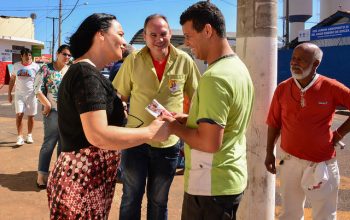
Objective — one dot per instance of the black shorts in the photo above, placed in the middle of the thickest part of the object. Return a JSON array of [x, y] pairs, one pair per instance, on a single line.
[[210, 207]]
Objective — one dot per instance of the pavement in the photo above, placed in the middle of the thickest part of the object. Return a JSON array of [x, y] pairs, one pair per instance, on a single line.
[[20, 199]]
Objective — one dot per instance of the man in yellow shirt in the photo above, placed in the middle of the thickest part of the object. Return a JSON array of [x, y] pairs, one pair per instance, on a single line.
[[162, 72]]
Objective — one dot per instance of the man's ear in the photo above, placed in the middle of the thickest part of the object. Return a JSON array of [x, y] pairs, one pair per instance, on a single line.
[[316, 64], [208, 30], [144, 35], [170, 33]]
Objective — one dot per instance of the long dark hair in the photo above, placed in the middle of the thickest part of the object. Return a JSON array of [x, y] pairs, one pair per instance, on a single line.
[[81, 41]]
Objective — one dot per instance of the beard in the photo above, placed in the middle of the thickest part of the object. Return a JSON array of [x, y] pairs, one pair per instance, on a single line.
[[304, 73]]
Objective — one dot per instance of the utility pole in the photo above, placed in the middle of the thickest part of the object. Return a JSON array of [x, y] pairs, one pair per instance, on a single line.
[[257, 47], [60, 20], [53, 36], [50, 48], [59, 23], [287, 23]]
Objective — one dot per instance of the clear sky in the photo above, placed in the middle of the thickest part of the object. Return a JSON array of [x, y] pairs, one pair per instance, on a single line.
[[130, 13]]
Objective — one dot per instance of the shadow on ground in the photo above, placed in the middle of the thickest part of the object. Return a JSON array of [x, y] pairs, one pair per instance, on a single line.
[[23, 181], [8, 144]]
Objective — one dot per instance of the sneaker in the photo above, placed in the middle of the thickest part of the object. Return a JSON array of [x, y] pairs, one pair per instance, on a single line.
[[20, 141], [29, 139]]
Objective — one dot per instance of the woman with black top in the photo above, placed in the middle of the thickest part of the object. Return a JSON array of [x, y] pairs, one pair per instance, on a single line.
[[81, 185]]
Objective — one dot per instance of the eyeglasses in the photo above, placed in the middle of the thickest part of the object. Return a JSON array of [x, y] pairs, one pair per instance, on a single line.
[[140, 121], [66, 54]]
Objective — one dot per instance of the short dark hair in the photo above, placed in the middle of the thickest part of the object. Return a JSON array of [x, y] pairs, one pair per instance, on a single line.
[[128, 50], [152, 17], [81, 41], [202, 13], [25, 51], [63, 47]]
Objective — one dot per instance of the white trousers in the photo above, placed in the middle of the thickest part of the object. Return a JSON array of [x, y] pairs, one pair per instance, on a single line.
[[324, 206]]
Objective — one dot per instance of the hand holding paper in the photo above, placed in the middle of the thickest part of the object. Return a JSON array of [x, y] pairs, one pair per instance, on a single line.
[[156, 109]]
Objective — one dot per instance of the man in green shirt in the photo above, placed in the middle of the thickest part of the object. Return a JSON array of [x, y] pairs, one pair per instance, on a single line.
[[215, 150], [162, 72]]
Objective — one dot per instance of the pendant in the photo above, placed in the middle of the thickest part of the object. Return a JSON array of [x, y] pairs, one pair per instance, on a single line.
[[302, 100]]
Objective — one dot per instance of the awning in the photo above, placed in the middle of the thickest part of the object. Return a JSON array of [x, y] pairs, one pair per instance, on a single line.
[[25, 40]]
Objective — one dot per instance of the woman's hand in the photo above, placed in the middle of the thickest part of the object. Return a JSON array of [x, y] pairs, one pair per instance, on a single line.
[[159, 129], [46, 111]]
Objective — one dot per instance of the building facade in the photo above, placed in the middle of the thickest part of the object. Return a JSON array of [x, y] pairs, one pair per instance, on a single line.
[[16, 33]]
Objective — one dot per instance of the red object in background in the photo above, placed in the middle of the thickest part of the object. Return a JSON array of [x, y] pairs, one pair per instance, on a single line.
[[4, 73], [45, 58], [186, 106]]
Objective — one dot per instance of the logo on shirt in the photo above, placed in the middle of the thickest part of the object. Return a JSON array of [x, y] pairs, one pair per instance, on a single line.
[[173, 85], [25, 73], [323, 103]]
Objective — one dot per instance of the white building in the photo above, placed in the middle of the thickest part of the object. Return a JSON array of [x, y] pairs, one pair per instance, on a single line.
[[16, 33]]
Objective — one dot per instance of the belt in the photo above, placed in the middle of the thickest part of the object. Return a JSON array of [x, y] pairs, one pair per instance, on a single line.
[[289, 156]]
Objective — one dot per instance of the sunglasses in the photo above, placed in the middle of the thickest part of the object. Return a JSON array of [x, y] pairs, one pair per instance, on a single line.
[[66, 54], [140, 121]]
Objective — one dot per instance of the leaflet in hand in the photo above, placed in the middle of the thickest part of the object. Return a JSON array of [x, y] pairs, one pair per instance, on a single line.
[[156, 109]]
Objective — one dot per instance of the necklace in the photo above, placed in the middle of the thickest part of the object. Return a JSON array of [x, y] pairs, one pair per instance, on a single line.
[[222, 57], [302, 100], [303, 90]]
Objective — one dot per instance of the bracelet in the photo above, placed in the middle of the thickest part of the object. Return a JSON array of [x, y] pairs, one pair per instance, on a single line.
[[336, 131]]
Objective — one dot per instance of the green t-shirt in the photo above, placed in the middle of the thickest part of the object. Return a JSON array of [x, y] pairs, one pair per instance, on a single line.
[[224, 96], [137, 79]]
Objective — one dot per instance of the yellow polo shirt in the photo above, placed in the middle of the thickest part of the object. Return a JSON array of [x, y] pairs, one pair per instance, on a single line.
[[137, 79]]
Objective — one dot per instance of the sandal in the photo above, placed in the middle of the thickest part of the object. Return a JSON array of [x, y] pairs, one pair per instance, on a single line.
[[41, 181], [41, 186]]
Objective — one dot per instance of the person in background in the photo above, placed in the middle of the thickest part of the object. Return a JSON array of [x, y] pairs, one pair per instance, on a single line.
[[301, 111], [162, 72], [81, 185], [214, 131], [23, 75], [116, 66], [46, 84]]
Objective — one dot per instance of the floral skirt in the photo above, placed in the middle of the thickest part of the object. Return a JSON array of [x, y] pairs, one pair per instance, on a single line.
[[81, 185]]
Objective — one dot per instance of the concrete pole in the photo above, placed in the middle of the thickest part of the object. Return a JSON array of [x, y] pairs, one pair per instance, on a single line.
[[257, 47]]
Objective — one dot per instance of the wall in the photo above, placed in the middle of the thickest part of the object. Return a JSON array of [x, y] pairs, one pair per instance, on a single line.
[[6, 49], [335, 64], [9, 55], [17, 27]]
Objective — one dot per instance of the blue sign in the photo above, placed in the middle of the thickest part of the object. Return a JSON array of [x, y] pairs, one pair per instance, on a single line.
[[327, 32]]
